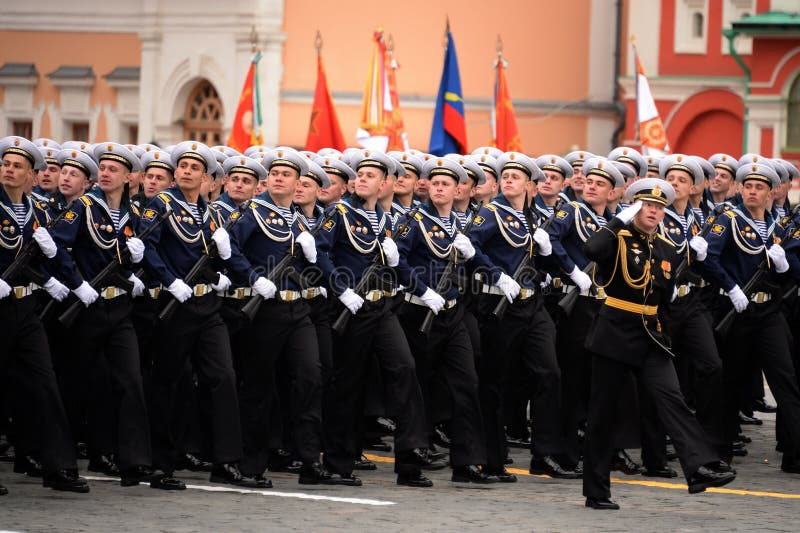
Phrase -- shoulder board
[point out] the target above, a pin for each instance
(624, 233)
(86, 201)
(164, 197)
(491, 207)
(575, 204)
(135, 210)
(730, 212)
(342, 209)
(417, 216)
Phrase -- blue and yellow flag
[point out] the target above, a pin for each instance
(449, 131)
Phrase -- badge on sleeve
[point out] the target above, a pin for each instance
(561, 214)
(329, 225)
(70, 216)
(718, 229)
(478, 220)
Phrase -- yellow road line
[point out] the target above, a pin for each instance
(644, 483)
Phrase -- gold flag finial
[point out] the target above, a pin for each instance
(253, 38)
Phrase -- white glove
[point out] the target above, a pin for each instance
(464, 246)
(265, 288)
(138, 286)
(674, 294)
(546, 281)
(738, 299)
(180, 290)
(509, 287)
(323, 291)
(433, 300)
(309, 246)
(57, 290)
(351, 300)
(86, 293)
(391, 252)
(627, 214)
(136, 248)
(5, 289)
(223, 283)
(778, 256)
(542, 239)
(700, 246)
(223, 241)
(45, 242)
(581, 279)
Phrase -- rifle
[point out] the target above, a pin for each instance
(201, 265)
(444, 280)
(282, 269)
(523, 266)
(684, 264)
(109, 271)
(29, 250)
(758, 276)
(366, 277)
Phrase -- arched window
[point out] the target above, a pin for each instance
(202, 120)
(793, 115)
(698, 26)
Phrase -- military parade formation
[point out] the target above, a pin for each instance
(196, 308)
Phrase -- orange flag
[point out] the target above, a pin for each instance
(323, 128)
(506, 132)
(246, 128)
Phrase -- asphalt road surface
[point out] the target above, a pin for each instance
(761, 498)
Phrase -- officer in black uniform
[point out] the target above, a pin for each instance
(195, 332)
(637, 264)
(572, 226)
(24, 341)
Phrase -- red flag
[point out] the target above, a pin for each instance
(506, 132)
(246, 128)
(323, 128)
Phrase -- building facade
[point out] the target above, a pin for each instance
(160, 71)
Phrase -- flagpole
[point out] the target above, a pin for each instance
(318, 43)
(636, 134)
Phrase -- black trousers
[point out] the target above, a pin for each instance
(24, 348)
(525, 335)
(197, 334)
(373, 331)
(281, 333)
(658, 379)
(446, 353)
(109, 355)
(690, 326)
(761, 334)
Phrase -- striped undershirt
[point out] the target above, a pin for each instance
(521, 215)
(462, 218)
(373, 221)
(446, 224)
(285, 212)
(761, 226)
(193, 210)
(601, 220)
(698, 214)
(20, 210)
(115, 218)
(312, 221)
(682, 220)
(781, 211)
